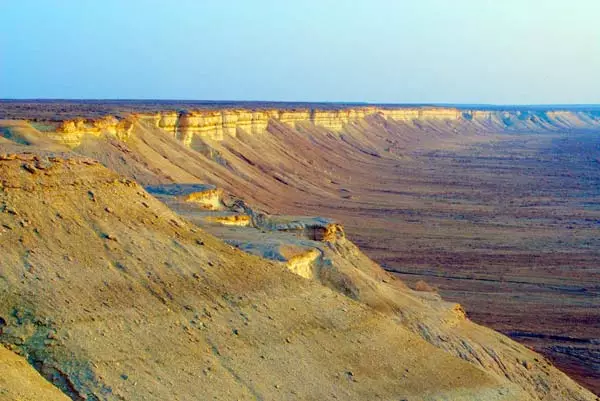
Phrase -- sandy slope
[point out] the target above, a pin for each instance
(19, 381)
(113, 296)
(499, 222)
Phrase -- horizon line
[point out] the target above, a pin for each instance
(336, 102)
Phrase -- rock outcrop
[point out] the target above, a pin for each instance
(335, 120)
(209, 199)
(231, 220)
(71, 132)
(218, 124)
(422, 114)
(109, 124)
(303, 262)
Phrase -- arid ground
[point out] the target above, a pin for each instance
(500, 214)
(509, 229)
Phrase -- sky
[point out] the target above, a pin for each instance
(381, 51)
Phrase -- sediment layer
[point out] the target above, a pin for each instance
(215, 124)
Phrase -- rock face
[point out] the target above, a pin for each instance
(422, 114)
(209, 199)
(71, 132)
(168, 121)
(335, 120)
(231, 220)
(218, 124)
(302, 263)
(315, 229)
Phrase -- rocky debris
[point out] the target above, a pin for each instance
(43, 164)
(231, 220)
(111, 237)
(9, 210)
(30, 168)
(314, 228)
(8, 156)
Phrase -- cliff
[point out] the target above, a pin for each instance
(422, 114)
(218, 124)
(70, 132)
(130, 249)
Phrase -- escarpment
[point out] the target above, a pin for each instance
(71, 132)
(286, 161)
(218, 124)
(423, 114)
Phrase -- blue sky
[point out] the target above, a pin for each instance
(460, 51)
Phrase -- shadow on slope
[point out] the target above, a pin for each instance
(112, 296)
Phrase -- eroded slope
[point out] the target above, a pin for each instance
(367, 175)
(113, 296)
(317, 249)
(19, 381)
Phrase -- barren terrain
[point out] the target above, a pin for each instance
(509, 229)
(499, 214)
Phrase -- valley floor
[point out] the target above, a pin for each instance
(509, 229)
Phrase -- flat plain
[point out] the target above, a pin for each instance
(508, 228)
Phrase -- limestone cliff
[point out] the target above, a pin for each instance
(424, 114)
(218, 124)
(70, 132)
(168, 121)
(335, 120)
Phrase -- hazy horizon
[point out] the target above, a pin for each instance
(283, 102)
(466, 52)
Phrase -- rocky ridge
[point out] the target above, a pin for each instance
(218, 124)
